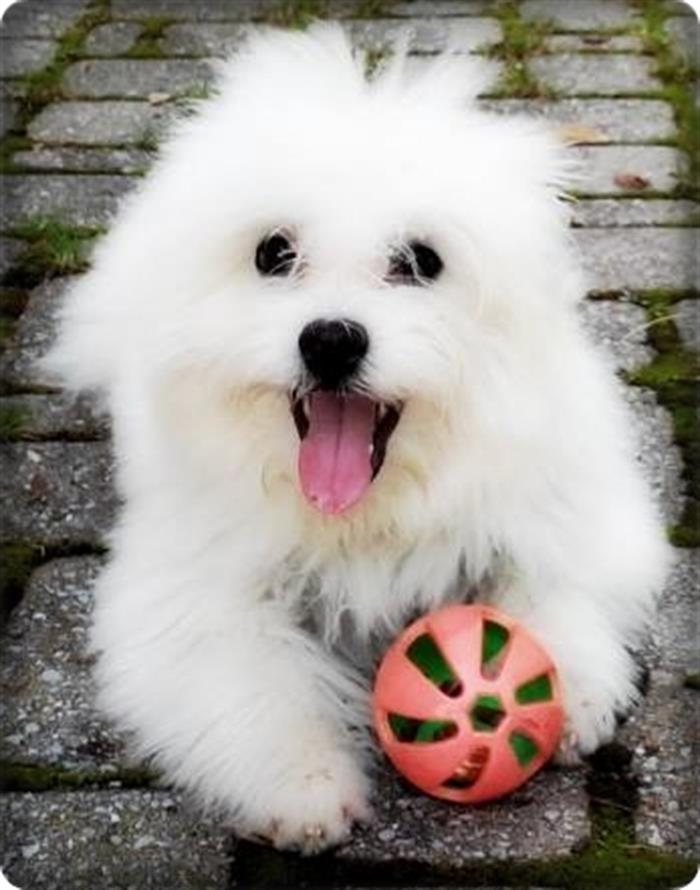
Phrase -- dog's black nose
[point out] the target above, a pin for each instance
(332, 350)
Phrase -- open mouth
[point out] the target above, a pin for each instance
(343, 442)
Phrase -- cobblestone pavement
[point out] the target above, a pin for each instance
(87, 87)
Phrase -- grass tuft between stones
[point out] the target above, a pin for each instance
(521, 40)
(51, 777)
(148, 44)
(53, 248)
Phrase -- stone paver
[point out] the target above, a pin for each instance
(54, 415)
(640, 258)
(581, 74)
(687, 317)
(101, 123)
(112, 39)
(610, 169)
(37, 18)
(592, 43)
(619, 120)
(111, 840)
(620, 329)
(547, 817)
(46, 685)
(460, 35)
(676, 628)
(25, 56)
(583, 15)
(491, 70)
(418, 8)
(136, 78)
(61, 492)
(99, 160)
(200, 10)
(659, 458)
(34, 333)
(204, 38)
(88, 200)
(625, 212)
(684, 32)
(663, 735)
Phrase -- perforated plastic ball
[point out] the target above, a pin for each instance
(467, 704)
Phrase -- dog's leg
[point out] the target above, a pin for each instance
(238, 704)
(585, 586)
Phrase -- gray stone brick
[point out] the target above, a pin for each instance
(659, 167)
(10, 250)
(547, 817)
(85, 160)
(204, 38)
(48, 693)
(684, 32)
(659, 458)
(663, 736)
(492, 69)
(101, 123)
(112, 840)
(33, 335)
(687, 316)
(583, 15)
(593, 43)
(620, 120)
(194, 10)
(112, 39)
(463, 35)
(638, 259)
(25, 55)
(135, 78)
(88, 200)
(619, 328)
(676, 628)
(580, 74)
(54, 415)
(624, 212)
(61, 492)
(417, 8)
(37, 18)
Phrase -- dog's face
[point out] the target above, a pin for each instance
(342, 287)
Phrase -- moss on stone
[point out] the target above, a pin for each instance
(521, 40)
(50, 777)
(53, 247)
(17, 562)
(13, 422)
(298, 14)
(148, 44)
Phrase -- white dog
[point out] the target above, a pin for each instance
(338, 334)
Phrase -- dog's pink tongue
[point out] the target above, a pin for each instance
(335, 455)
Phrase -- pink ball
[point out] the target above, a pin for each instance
(467, 704)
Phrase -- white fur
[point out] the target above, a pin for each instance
(512, 461)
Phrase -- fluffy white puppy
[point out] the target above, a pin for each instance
(338, 336)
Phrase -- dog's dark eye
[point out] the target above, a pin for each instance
(414, 263)
(275, 255)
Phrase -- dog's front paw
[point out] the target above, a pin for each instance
(314, 807)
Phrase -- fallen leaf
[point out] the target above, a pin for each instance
(631, 182)
(158, 98)
(581, 134)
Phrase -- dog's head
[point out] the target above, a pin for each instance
(341, 288)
